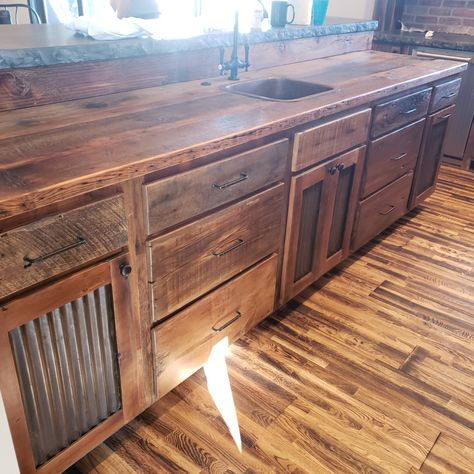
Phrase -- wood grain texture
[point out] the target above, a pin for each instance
(101, 225)
(398, 112)
(92, 144)
(317, 144)
(21, 88)
(186, 263)
(323, 202)
(382, 209)
(323, 385)
(429, 162)
(445, 94)
(183, 196)
(249, 297)
(392, 156)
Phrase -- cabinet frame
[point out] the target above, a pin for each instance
(321, 262)
(35, 304)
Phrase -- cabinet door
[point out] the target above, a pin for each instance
(323, 202)
(427, 168)
(68, 365)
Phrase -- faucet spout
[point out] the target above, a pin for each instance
(235, 63)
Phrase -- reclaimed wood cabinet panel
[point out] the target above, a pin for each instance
(188, 262)
(445, 94)
(319, 143)
(184, 342)
(392, 156)
(54, 245)
(68, 360)
(382, 209)
(426, 174)
(323, 201)
(186, 195)
(399, 112)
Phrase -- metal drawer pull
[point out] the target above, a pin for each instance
(444, 117)
(239, 243)
(411, 111)
(227, 324)
(399, 157)
(28, 262)
(451, 94)
(242, 177)
(392, 208)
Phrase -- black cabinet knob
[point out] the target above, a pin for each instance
(125, 270)
(332, 170)
(340, 166)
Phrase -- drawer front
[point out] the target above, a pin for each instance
(57, 244)
(392, 156)
(382, 209)
(445, 94)
(194, 259)
(399, 112)
(319, 143)
(184, 342)
(186, 195)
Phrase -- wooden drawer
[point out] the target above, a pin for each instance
(194, 259)
(392, 156)
(186, 195)
(382, 209)
(57, 244)
(316, 144)
(399, 112)
(445, 94)
(184, 342)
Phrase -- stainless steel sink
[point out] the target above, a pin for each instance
(280, 89)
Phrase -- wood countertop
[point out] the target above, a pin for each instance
(53, 152)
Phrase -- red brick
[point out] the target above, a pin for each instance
(450, 21)
(463, 12)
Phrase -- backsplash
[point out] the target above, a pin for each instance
(453, 16)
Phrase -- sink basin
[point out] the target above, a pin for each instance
(281, 89)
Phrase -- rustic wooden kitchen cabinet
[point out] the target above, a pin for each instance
(321, 214)
(218, 216)
(429, 161)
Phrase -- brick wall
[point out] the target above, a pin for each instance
(453, 16)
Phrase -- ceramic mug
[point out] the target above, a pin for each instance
(279, 15)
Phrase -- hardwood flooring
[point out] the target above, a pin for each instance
(369, 370)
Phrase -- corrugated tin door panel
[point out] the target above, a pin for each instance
(67, 366)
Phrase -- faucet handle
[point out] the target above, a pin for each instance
(247, 54)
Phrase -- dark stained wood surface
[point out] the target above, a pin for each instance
(392, 156)
(319, 143)
(369, 370)
(445, 95)
(176, 199)
(399, 112)
(54, 152)
(192, 260)
(228, 312)
(380, 210)
(72, 239)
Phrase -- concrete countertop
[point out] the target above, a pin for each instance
(440, 40)
(24, 46)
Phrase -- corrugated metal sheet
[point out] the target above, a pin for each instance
(68, 371)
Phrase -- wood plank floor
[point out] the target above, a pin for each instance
(369, 370)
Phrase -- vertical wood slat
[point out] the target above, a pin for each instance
(68, 371)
